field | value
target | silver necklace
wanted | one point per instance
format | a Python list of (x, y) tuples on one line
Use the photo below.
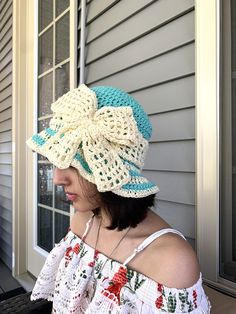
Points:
[(109, 256)]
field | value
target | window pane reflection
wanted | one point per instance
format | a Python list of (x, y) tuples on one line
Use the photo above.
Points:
[(45, 184), (45, 95), (45, 13), (62, 39), (61, 5), (45, 55), (61, 226), (60, 199), (62, 80), (43, 124), (44, 229)]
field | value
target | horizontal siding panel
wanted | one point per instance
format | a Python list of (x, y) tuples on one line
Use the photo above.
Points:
[(178, 187), (117, 14), (5, 9), (6, 259), (179, 216), (5, 236), (6, 62), (182, 125), (5, 147), (6, 71), (144, 48), (5, 181), (5, 93), (96, 8), (6, 114), (6, 203), (6, 169), (5, 158), (5, 191), (7, 37), (171, 156), (6, 246), (8, 79), (6, 21), (139, 25), (5, 136), (7, 14), (6, 27), (174, 64), (5, 125), (5, 225), (2, 4), (172, 95), (5, 51), (5, 103), (6, 214)]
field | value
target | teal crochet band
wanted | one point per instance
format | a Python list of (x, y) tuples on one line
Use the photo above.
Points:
[(138, 186), (83, 162)]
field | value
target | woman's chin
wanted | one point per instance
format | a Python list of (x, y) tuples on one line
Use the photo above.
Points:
[(80, 208)]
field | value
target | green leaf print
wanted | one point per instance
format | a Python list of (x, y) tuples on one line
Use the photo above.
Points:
[(130, 274), (82, 250), (183, 299), (190, 306), (98, 267), (83, 274), (171, 303), (138, 283)]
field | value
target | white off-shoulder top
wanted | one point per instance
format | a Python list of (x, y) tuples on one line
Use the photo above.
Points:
[(72, 279)]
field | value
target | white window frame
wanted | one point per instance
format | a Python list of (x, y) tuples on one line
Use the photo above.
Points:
[(207, 141), (24, 84)]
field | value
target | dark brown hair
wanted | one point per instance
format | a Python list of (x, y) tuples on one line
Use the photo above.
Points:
[(123, 211)]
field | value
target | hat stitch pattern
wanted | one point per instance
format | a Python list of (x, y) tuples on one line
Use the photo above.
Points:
[(131, 154)]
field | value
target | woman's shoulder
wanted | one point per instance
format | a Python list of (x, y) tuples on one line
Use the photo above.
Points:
[(173, 262)]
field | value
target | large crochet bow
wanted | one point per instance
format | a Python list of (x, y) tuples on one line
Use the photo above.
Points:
[(98, 133)]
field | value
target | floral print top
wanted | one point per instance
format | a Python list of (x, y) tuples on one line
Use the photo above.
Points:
[(72, 279)]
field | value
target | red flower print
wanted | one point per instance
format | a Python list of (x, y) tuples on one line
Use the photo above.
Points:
[(159, 302), (195, 298), (118, 281), (91, 264), (159, 287), (68, 253), (76, 248)]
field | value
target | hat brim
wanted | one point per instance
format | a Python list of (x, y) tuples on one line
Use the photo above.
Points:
[(138, 186)]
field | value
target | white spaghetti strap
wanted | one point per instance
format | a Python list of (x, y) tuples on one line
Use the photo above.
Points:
[(150, 239), (87, 227)]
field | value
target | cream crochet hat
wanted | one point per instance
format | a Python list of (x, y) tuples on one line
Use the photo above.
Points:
[(104, 133)]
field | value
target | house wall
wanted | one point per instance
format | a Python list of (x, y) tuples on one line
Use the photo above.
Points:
[(6, 132), (147, 48)]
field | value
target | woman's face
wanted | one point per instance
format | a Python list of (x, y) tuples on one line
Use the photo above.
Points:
[(80, 192)]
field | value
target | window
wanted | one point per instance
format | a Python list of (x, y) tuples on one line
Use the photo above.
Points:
[(53, 81), (227, 143)]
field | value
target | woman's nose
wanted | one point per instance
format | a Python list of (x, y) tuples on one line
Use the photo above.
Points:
[(60, 176)]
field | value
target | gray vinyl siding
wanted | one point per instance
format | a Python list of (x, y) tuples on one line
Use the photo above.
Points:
[(6, 132), (147, 48)]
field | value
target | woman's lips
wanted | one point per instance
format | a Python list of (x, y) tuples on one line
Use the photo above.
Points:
[(71, 197)]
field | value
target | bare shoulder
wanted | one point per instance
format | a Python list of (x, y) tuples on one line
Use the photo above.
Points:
[(78, 222), (177, 262)]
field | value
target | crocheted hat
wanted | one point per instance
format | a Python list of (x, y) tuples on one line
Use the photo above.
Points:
[(104, 133)]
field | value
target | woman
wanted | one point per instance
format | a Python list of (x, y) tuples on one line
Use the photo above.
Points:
[(118, 256)]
